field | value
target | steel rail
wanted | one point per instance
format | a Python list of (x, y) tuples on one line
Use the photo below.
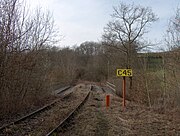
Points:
[(61, 124), (111, 84), (66, 88), (32, 113)]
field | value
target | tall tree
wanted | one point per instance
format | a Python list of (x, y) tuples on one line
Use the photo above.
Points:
[(129, 23), (24, 35), (173, 31), (172, 58)]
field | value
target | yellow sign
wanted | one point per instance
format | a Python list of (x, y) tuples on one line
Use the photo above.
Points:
[(124, 72)]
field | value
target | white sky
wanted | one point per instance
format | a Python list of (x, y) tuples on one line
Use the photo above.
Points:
[(83, 20)]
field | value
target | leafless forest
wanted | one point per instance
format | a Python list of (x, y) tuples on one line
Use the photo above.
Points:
[(32, 63)]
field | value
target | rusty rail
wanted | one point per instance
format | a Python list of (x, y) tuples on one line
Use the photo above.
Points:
[(70, 115), (33, 113)]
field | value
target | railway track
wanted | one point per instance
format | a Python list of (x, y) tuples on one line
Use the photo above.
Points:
[(70, 115), (36, 111), (27, 124)]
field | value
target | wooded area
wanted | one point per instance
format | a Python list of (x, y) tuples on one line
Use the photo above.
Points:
[(31, 66)]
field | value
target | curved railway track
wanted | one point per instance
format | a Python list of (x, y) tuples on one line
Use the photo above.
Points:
[(22, 124), (36, 111), (66, 119)]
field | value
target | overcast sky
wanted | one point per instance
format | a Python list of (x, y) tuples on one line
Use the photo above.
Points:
[(83, 20)]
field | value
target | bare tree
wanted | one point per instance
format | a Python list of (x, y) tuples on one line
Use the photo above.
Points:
[(172, 57), (23, 37), (173, 33), (129, 23)]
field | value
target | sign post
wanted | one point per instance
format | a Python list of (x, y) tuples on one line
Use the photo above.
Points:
[(124, 73), (124, 91)]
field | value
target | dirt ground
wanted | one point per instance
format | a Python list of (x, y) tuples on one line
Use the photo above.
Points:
[(95, 119)]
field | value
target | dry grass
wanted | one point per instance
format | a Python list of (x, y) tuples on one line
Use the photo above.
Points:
[(95, 119)]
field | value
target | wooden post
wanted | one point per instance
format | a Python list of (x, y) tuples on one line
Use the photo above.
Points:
[(124, 92)]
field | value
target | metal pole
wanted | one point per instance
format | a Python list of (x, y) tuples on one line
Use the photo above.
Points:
[(124, 91)]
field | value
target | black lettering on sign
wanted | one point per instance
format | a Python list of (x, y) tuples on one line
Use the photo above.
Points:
[(124, 72)]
